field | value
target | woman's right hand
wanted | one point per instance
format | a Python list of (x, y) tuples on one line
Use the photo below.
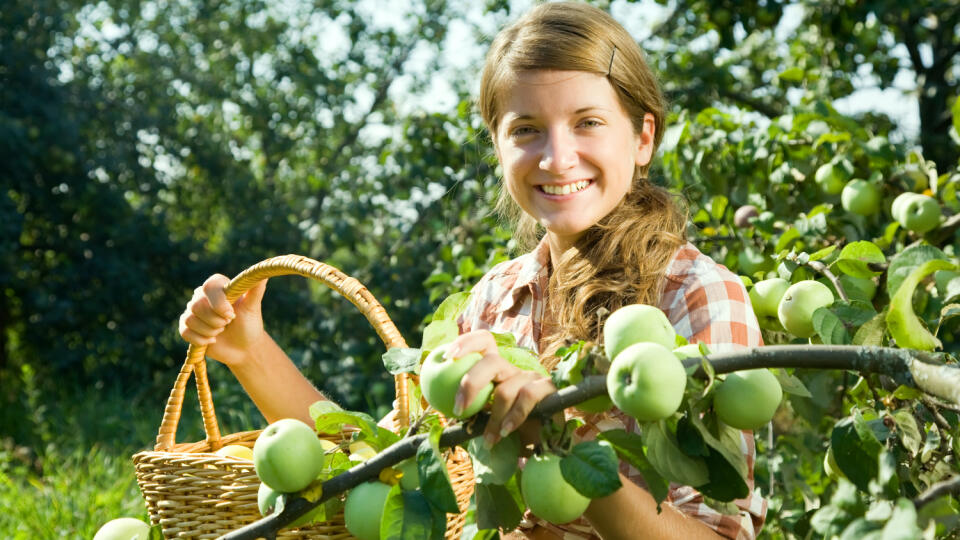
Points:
[(230, 332)]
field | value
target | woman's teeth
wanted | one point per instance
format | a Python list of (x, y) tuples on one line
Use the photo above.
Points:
[(565, 189)]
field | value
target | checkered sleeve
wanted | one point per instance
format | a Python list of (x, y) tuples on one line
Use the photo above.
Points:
[(706, 303)]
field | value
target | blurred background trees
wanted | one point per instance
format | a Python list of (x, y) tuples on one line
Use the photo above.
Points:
[(147, 144)]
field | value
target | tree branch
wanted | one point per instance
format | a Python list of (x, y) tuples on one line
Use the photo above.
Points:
[(906, 366), (946, 487)]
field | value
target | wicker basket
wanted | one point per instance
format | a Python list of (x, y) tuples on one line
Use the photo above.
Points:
[(193, 493)]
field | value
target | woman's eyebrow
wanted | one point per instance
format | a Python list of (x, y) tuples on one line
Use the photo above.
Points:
[(513, 117)]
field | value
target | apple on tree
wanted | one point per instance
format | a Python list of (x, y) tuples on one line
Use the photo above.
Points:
[(861, 197), (363, 509), (798, 304), (547, 494), (752, 261), (637, 323), (747, 399), (646, 381), (125, 528), (765, 298), (440, 380), (288, 456), (918, 213), (833, 176), (267, 503)]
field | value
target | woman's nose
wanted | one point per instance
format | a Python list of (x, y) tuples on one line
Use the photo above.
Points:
[(559, 152)]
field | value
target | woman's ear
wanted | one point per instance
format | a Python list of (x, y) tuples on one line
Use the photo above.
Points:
[(644, 140)]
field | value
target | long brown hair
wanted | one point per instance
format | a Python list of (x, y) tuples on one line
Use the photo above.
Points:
[(622, 259)]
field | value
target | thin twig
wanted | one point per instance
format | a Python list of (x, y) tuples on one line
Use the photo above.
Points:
[(822, 268)]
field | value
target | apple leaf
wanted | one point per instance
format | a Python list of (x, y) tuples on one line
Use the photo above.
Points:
[(497, 464), (905, 262), (721, 438), (407, 516), (823, 253), (907, 430), (955, 110), (791, 384), (504, 339), (434, 477), (903, 521), (592, 468), (523, 358), (497, 508), (629, 446), (948, 311), (904, 325), (872, 332), (452, 306), (439, 333), (836, 322), (669, 461), (399, 360), (856, 461), (727, 482), (856, 256)]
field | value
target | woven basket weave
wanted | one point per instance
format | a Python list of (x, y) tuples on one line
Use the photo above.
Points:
[(193, 493)]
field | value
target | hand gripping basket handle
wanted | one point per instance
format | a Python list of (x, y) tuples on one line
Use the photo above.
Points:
[(347, 286)]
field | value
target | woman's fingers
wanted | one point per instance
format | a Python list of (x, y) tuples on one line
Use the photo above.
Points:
[(491, 368), (214, 289), (513, 400)]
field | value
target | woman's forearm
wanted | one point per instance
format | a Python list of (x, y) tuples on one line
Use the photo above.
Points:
[(631, 512), (275, 384)]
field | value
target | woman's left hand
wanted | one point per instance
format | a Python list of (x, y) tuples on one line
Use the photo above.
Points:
[(516, 391)]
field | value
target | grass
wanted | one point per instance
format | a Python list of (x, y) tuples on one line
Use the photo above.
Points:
[(65, 462)]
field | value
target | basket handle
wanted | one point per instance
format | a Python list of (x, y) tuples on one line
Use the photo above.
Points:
[(350, 288)]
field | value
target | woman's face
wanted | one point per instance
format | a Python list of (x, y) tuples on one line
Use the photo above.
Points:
[(568, 149)]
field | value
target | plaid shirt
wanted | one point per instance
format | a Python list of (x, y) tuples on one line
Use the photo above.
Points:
[(704, 301)]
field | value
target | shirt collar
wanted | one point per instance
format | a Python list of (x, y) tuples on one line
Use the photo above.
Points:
[(533, 272)]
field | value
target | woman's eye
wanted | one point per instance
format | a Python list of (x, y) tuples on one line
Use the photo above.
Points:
[(590, 122), (522, 131)]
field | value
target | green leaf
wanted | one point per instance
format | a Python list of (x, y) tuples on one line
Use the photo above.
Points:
[(906, 261), (669, 461), (823, 253), (439, 333), (907, 392), (523, 358), (497, 508), (452, 307), (592, 468), (793, 74), (788, 237), (955, 110), (791, 384), (494, 465), (872, 332), (904, 325), (717, 206), (855, 256), (399, 360), (629, 446), (907, 429), (720, 438), (902, 525), (434, 477), (505, 339), (330, 419), (836, 322), (407, 516), (856, 460)]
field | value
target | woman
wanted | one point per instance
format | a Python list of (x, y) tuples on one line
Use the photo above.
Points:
[(575, 116)]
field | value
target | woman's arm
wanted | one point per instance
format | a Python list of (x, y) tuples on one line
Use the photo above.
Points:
[(631, 512)]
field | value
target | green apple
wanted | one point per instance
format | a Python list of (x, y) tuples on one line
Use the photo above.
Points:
[(440, 380), (833, 176), (637, 323), (798, 304), (494, 465), (363, 509), (861, 197), (920, 214), (765, 298), (748, 399), (646, 381), (689, 351), (267, 503), (830, 465), (410, 475), (288, 456), (752, 261), (896, 209), (547, 494), (125, 528), (741, 218)]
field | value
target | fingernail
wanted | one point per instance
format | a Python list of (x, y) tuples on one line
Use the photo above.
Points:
[(506, 429), (488, 441), (458, 405)]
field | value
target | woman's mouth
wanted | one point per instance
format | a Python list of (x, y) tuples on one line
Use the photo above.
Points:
[(565, 189)]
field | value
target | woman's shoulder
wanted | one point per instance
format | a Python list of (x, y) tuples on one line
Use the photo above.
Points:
[(690, 266)]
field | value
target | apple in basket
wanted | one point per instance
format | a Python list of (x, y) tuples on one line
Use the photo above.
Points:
[(125, 528), (288, 456)]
